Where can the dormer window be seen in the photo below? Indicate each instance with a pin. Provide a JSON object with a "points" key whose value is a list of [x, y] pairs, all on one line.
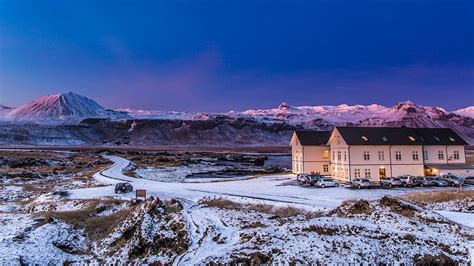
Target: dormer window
{"points": [[412, 138], [364, 138], [437, 139], [452, 139], [384, 139]]}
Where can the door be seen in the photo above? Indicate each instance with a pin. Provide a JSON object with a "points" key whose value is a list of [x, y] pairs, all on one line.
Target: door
{"points": [[382, 173]]}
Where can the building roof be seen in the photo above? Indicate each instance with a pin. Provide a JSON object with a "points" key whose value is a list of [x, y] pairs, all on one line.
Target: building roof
{"points": [[313, 138], [399, 136]]}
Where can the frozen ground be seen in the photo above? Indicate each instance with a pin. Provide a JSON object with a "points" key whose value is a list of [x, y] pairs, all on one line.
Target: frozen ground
{"points": [[256, 222]]}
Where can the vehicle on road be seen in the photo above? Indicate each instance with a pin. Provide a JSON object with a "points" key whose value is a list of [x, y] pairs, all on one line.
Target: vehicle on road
{"points": [[391, 182], [408, 180], [361, 183], [469, 180], [453, 180], [122, 188], [326, 182], [424, 181], [440, 182]]}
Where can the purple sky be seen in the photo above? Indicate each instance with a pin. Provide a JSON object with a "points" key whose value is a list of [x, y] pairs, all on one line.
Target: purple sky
{"points": [[234, 55]]}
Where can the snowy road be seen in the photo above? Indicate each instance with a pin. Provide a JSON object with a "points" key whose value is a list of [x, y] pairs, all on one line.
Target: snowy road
{"points": [[275, 189]]}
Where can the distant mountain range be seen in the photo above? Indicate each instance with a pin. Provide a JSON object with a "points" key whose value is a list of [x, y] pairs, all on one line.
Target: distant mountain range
{"points": [[72, 119]]}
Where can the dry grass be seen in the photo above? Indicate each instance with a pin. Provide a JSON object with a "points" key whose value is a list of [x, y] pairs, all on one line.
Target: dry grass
{"points": [[94, 226], [222, 203], [439, 196]]}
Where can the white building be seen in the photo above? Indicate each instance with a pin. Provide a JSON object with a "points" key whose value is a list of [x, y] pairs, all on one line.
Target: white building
{"points": [[310, 152], [377, 153]]}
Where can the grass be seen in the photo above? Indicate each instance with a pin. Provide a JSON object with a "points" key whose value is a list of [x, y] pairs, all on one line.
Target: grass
{"points": [[222, 203], [439, 196], [94, 226]]}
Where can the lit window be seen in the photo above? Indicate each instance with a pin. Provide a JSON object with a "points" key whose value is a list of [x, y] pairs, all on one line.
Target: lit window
{"points": [[325, 154], [452, 139], [366, 156], [456, 155], [364, 138], [412, 138], [440, 155], [415, 156], [398, 155]]}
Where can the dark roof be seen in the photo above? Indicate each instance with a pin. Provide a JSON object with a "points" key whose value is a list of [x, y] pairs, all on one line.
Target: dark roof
{"points": [[313, 138], [399, 136]]}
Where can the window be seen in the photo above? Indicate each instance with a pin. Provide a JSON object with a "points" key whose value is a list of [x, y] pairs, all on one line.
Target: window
{"points": [[345, 156], [325, 154], [297, 142], [452, 139], [456, 155], [356, 173], [384, 139], [364, 138], [415, 156], [440, 155], [398, 155], [381, 156], [367, 173], [333, 155], [325, 168], [366, 156], [338, 139], [338, 155], [412, 138], [425, 155]]}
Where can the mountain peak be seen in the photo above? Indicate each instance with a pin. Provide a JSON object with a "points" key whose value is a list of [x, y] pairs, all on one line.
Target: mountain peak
{"points": [[62, 106]]}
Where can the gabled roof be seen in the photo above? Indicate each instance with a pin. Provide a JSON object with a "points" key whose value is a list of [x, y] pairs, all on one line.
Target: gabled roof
{"points": [[313, 138], [399, 136]]}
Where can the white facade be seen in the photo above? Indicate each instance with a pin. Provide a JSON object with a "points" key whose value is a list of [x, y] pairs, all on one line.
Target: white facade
{"points": [[374, 162], [309, 159]]}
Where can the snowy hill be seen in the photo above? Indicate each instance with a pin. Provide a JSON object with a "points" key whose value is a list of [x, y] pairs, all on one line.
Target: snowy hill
{"points": [[468, 111], [67, 107]]}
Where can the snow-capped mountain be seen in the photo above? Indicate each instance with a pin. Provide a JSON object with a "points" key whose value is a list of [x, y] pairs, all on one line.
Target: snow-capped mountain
{"points": [[67, 107], [82, 121], [468, 112]]}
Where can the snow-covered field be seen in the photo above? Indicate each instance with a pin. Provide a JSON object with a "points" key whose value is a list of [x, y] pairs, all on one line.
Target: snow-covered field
{"points": [[264, 219]]}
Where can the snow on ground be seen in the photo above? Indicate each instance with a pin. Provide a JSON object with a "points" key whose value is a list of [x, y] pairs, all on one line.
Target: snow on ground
{"points": [[24, 240], [271, 188], [175, 173]]}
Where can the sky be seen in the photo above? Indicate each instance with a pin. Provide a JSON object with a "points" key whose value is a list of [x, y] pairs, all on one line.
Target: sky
{"points": [[222, 55]]}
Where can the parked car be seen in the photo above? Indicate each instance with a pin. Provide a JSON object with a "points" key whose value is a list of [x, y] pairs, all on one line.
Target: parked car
{"points": [[302, 178], [440, 182], [313, 179], [326, 182], [121, 188], [408, 180], [424, 181], [469, 180], [391, 182], [453, 180], [361, 183]]}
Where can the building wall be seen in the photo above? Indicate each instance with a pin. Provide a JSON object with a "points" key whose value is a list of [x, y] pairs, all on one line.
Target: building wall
{"points": [[448, 153], [308, 159]]}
